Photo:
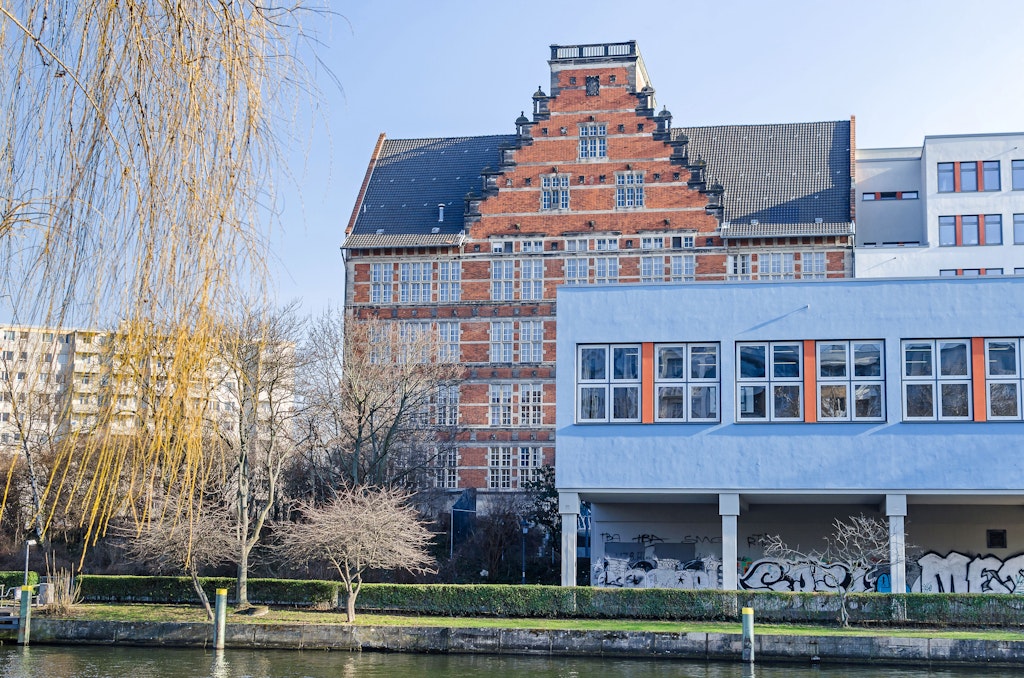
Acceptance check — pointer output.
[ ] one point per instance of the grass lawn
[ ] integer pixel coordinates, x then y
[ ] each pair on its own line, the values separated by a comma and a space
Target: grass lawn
185, 613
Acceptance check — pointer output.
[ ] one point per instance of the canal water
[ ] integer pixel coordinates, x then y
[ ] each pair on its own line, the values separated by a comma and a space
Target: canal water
120, 662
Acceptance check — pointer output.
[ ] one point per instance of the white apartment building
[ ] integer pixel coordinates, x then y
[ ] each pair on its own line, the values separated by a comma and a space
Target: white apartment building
952, 207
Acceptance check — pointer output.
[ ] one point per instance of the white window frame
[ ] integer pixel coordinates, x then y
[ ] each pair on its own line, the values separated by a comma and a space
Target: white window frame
446, 469
531, 341
500, 405
652, 269
772, 381
611, 386
446, 405
813, 265
577, 270
930, 373
698, 380
683, 267
856, 373
576, 244
606, 270
503, 277
449, 287
531, 404
531, 280
499, 468
739, 267
529, 462
999, 374
652, 242
554, 193
775, 266
381, 276
593, 141
414, 280
629, 190
448, 334
502, 336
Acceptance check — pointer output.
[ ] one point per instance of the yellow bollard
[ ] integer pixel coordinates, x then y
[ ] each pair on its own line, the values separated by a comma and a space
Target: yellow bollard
748, 634
219, 615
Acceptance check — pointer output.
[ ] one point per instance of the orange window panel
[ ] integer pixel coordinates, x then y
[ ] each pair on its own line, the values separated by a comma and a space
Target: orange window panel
647, 382
978, 378
810, 382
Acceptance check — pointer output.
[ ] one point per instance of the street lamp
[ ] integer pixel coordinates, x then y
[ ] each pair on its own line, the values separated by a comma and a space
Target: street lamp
526, 528
29, 543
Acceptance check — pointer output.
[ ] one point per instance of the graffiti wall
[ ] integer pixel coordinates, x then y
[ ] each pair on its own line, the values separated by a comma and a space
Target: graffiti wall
961, 573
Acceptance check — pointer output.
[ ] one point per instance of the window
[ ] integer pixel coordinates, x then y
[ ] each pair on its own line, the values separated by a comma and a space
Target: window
446, 405
1018, 229
577, 271
501, 404
501, 460
531, 341
502, 279
554, 193
993, 271
531, 280
936, 380
629, 189
533, 246
530, 462
501, 341
770, 381
9, 335
652, 243
969, 230
414, 282
737, 267
686, 382
968, 177
993, 229
414, 348
812, 265
446, 472
531, 398
499, 468
775, 266
608, 383
851, 381
380, 283
576, 245
448, 341
947, 272
1003, 379
946, 181
947, 231
593, 141
683, 267
606, 244
606, 270
652, 269
502, 246
990, 175
1017, 176
449, 286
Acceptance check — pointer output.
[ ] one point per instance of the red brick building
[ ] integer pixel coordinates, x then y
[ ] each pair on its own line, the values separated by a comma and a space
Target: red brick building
469, 237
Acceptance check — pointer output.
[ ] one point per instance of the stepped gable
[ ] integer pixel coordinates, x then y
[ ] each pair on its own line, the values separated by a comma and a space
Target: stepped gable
790, 173
411, 177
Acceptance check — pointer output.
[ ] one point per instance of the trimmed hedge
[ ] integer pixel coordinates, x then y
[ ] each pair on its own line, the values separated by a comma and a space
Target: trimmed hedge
479, 600
126, 589
13, 579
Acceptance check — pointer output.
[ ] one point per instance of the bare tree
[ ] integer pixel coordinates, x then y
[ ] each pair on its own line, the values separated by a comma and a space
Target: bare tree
382, 403
140, 147
182, 538
861, 543
257, 425
360, 529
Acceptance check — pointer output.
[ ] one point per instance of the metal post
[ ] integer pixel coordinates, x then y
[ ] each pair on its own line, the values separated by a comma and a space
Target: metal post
748, 634
526, 528
219, 616
25, 618
29, 543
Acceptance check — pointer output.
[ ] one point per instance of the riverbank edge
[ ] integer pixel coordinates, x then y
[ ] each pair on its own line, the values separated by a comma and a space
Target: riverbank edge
544, 642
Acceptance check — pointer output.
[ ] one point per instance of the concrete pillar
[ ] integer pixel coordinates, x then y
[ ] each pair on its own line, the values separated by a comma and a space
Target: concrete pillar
729, 509
219, 618
896, 510
569, 510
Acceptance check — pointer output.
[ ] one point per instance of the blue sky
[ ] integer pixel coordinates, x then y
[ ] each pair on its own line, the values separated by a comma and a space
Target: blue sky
905, 68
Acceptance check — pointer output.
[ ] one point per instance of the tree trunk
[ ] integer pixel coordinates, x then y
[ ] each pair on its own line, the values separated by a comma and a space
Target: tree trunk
243, 577
37, 502
201, 593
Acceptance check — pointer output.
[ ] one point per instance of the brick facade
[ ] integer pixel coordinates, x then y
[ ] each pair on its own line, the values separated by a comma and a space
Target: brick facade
595, 188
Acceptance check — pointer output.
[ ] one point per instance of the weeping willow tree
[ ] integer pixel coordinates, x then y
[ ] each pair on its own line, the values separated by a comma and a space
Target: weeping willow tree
140, 142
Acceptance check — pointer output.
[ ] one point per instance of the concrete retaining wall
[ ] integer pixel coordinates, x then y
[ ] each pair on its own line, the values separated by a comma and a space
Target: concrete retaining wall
717, 646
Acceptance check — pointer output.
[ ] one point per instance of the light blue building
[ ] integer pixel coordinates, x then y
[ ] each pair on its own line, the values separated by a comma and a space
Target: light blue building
696, 419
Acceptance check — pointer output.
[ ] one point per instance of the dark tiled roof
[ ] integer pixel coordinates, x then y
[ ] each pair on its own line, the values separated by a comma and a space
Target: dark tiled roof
413, 176
777, 174
383, 241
